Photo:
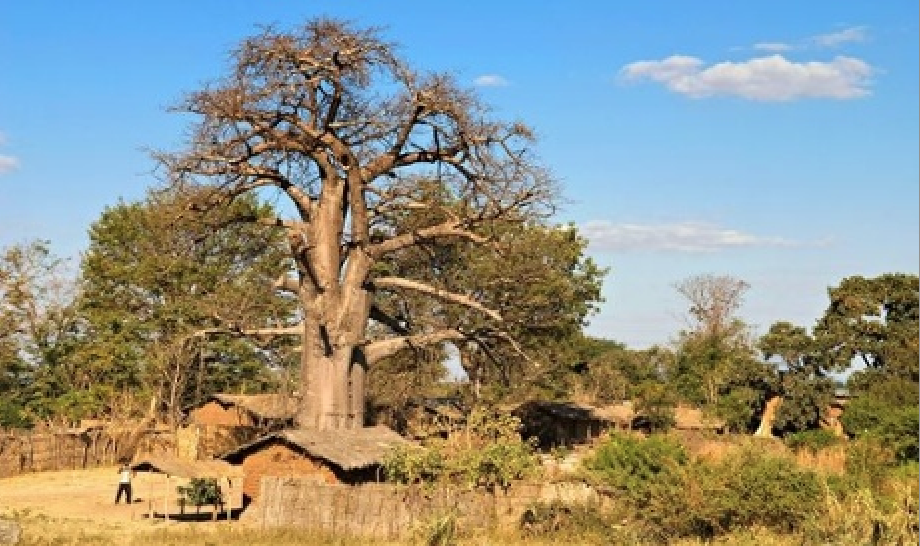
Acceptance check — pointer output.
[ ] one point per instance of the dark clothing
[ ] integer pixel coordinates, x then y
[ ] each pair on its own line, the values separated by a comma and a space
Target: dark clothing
124, 484
126, 489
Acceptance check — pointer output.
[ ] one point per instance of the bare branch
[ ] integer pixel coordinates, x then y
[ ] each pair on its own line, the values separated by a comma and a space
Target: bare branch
444, 295
378, 350
450, 228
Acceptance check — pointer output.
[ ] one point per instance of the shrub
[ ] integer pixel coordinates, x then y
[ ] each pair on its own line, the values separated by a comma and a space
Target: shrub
887, 411
813, 440
673, 496
635, 466
413, 465
491, 454
201, 491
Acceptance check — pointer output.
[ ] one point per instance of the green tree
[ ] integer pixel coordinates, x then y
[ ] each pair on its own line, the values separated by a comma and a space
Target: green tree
545, 287
608, 372
159, 292
871, 324
716, 365
353, 139
806, 390
38, 325
875, 321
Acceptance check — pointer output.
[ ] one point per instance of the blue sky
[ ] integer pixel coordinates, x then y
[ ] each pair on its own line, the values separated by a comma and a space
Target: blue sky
776, 142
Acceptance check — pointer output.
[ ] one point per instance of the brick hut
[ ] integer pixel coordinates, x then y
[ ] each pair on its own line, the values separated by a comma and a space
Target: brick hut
328, 456
245, 410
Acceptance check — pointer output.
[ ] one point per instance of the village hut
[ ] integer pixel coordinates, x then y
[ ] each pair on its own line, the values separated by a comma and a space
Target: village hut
161, 474
225, 421
247, 410
622, 414
693, 419
556, 424
350, 456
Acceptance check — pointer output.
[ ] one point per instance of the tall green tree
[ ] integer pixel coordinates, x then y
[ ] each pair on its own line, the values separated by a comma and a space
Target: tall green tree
38, 325
162, 295
546, 287
350, 136
805, 388
871, 328
875, 322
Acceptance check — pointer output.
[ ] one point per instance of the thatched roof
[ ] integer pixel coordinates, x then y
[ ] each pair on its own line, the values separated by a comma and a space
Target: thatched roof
348, 449
174, 466
263, 406
566, 411
686, 418
622, 413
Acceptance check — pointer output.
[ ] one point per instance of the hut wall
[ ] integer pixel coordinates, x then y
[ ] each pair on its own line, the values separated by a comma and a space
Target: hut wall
202, 442
279, 460
213, 413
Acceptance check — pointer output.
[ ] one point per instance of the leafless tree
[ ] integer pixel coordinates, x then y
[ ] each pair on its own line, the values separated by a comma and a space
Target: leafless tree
345, 132
714, 300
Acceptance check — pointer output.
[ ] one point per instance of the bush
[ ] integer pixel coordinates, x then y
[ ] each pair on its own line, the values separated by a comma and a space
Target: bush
13, 415
813, 440
887, 411
201, 491
491, 454
636, 466
675, 497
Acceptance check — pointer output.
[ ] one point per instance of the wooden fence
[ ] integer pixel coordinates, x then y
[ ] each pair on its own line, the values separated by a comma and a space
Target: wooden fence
23, 451
390, 511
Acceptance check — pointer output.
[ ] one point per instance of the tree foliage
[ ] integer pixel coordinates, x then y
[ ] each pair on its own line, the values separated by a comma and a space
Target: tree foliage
874, 320
716, 364
38, 326
159, 292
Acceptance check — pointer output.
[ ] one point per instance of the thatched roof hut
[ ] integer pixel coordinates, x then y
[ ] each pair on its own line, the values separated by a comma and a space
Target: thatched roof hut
348, 456
622, 414
161, 491
687, 418
170, 465
556, 423
245, 410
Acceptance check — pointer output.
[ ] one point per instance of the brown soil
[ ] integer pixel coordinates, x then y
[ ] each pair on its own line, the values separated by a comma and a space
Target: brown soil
81, 495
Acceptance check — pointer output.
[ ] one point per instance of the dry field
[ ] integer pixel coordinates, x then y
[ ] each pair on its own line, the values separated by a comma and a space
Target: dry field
78, 507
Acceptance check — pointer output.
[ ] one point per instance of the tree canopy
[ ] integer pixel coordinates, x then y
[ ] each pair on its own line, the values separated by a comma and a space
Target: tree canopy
352, 139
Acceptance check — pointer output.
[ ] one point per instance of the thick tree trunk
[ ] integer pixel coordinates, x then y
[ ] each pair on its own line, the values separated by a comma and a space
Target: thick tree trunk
332, 389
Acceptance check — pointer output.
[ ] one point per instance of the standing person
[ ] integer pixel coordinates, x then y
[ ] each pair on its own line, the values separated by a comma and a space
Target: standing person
124, 483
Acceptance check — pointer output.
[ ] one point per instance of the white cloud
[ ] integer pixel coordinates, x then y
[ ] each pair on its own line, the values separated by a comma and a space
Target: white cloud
688, 237
773, 47
772, 78
8, 163
490, 80
834, 39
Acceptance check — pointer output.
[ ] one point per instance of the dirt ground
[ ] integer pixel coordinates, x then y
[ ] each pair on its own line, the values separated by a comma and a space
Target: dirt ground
82, 495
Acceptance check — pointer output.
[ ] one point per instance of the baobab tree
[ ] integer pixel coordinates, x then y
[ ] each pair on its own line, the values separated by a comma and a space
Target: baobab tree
373, 160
